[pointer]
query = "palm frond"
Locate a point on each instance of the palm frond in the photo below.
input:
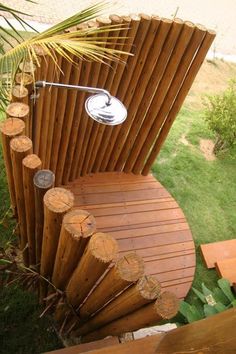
(87, 44)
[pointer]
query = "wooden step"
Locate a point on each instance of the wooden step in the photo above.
(227, 269)
(218, 251)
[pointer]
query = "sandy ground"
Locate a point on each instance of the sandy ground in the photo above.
(214, 14)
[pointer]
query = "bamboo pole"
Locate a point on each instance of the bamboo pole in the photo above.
(20, 147)
(126, 271)
(104, 134)
(164, 307)
(10, 128)
(195, 66)
(101, 251)
(151, 123)
(31, 164)
(57, 201)
(93, 80)
(102, 81)
(52, 115)
(46, 110)
(59, 114)
(68, 120)
(140, 38)
(20, 94)
(21, 111)
(75, 129)
(146, 290)
(43, 181)
(77, 228)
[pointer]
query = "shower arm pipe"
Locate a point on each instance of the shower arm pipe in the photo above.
(40, 84)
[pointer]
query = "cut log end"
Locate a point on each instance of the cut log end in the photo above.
(27, 67)
(167, 306)
(134, 17)
(24, 79)
(144, 17)
(130, 267)
(44, 179)
(116, 19)
(103, 247)
(32, 161)
(19, 91)
(127, 19)
(149, 287)
(12, 127)
(79, 223)
(21, 144)
(103, 21)
(17, 109)
(58, 200)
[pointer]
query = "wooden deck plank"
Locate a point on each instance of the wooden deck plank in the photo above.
(226, 268)
(143, 217)
(218, 251)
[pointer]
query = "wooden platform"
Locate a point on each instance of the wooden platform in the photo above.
(218, 251)
(227, 269)
(139, 212)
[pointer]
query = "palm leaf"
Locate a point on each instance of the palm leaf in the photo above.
(84, 44)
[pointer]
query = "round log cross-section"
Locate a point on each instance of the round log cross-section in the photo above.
(21, 111)
(20, 94)
(77, 227)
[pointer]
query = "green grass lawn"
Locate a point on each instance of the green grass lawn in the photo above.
(205, 190)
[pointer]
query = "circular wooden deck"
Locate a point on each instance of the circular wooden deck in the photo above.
(139, 212)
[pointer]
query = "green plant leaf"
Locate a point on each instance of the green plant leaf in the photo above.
(224, 285)
(190, 312)
(220, 307)
(233, 303)
(199, 295)
(220, 296)
(209, 310)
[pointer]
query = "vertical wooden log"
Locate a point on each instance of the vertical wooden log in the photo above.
(164, 307)
(52, 115)
(78, 226)
(195, 66)
(20, 94)
(105, 132)
(101, 251)
(21, 111)
(140, 38)
(93, 80)
(146, 290)
(68, 120)
(27, 67)
(57, 201)
(151, 123)
(126, 271)
(102, 79)
(59, 114)
(31, 164)
(76, 128)
(43, 149)
(10, 128)
(43, 181)
(20, 148)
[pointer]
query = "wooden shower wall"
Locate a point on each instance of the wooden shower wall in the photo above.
(152, 84)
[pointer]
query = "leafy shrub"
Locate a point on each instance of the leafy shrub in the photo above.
(213, 301)
(220, 114)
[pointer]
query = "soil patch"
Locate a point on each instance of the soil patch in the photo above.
(207, 149)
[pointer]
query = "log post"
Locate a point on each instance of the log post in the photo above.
(20, 148)
(10, 128)
(27, 67)
(21, 111)
(31, 164)
(146, 290)
(77, 227)
(165, 307)
(126, 271)
(101, 251)
(43, 181)
(25, 80)
(20, 94)
(57, 201)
